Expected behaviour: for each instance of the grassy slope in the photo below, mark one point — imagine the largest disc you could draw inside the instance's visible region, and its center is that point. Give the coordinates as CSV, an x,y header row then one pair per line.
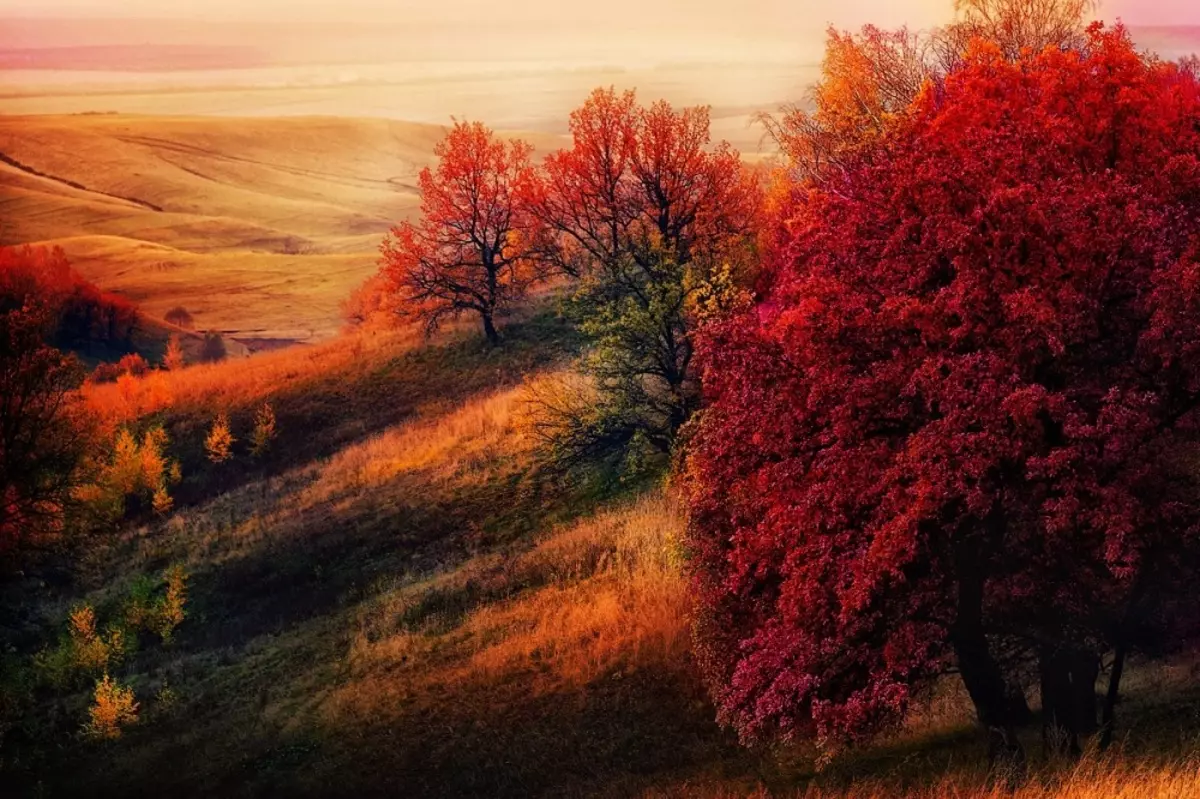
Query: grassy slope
x,y
259,227
397,602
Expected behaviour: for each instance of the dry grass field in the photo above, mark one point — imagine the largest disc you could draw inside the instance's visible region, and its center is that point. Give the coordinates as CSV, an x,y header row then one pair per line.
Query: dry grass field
x,y
257,227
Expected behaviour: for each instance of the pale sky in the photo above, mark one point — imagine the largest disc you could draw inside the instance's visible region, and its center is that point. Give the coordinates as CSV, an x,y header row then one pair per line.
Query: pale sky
x,y
916,13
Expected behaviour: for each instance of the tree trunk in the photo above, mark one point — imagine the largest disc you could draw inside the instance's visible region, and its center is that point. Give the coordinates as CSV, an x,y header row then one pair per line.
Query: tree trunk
x,y
489,329
993,700
1111,696
991,694
1068,687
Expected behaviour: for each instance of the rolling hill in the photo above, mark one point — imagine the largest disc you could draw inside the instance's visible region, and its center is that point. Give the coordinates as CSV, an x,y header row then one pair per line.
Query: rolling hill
x,y
258,227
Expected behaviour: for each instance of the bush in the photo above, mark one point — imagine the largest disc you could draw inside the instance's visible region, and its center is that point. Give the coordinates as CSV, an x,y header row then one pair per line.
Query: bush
x,y
113,708
219,444
214,347
264,430
134,470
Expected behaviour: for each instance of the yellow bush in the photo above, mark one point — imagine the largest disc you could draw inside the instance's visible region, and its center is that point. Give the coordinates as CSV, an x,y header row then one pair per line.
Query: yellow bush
x,y
132,469
169,612
89,651
173,359
162,501
219,444
264,430
113,707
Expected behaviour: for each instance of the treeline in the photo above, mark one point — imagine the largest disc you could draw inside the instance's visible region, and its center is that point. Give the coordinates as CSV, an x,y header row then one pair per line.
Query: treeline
x,y
78,316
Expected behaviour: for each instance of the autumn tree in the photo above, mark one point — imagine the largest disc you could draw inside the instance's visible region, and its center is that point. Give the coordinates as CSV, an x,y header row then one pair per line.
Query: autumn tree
x,y
475,248
1014,26
180,317
173,358
869,79
264,431
961,432
651,218
218,444
42,429
213,349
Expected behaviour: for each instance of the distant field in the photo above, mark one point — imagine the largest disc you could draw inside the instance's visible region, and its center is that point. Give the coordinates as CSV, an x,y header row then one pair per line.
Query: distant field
x,y
517,95
258,227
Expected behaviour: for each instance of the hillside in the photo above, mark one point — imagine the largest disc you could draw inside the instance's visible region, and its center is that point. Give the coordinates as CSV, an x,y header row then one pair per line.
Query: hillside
x,y
258,227
397,600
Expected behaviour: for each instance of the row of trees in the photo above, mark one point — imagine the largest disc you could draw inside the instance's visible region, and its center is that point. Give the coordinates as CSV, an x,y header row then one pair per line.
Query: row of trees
x,y
75,314
959,433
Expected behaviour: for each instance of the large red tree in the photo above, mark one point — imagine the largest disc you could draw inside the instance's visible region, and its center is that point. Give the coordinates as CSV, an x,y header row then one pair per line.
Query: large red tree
x,y
962,428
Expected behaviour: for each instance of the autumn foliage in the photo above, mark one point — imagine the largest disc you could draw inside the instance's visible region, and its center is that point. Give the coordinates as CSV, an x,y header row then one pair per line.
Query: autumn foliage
x,y
657,222
474,249
43,430
961,432
80,315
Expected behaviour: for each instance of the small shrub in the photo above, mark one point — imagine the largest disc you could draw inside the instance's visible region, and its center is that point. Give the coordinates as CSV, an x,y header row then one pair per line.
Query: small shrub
x,y
82,650
168,611
160,614
113,708
264,430
219,444
133,365
214,348
132,470
173,360
90,651
166,701
161,501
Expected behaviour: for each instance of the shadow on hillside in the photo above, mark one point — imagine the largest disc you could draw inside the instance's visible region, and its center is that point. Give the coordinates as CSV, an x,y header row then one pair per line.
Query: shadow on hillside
x,y
613,737
337,558
317,417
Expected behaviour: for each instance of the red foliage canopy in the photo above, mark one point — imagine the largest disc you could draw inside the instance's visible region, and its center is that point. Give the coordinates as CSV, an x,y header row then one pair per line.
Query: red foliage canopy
x,y
967,412
79,313
639,181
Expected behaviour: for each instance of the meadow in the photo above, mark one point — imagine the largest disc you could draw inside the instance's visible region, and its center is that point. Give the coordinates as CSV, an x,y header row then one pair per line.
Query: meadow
x,y
398,599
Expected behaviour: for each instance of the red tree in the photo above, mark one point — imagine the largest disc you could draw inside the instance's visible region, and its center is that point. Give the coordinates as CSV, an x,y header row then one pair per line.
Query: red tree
x,y
639,181
962,429
80,314
475,246
657,222
42,435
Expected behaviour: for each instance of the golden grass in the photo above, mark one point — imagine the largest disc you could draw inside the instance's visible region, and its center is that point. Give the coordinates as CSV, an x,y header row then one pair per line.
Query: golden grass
x,y
1117,777
241,383
245,294
605,597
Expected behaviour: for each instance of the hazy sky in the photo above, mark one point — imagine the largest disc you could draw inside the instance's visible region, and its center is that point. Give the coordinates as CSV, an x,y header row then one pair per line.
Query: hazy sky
x,y
688,12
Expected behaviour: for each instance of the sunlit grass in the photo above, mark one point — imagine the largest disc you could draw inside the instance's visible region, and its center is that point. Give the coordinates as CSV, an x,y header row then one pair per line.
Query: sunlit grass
x,y
243,382
1093,778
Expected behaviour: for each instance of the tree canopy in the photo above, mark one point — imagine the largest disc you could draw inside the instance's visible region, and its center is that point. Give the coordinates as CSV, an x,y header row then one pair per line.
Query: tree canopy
x,y
961,431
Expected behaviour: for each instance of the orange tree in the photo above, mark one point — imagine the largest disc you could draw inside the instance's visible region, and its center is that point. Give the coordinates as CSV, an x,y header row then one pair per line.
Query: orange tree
x,y
475,247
